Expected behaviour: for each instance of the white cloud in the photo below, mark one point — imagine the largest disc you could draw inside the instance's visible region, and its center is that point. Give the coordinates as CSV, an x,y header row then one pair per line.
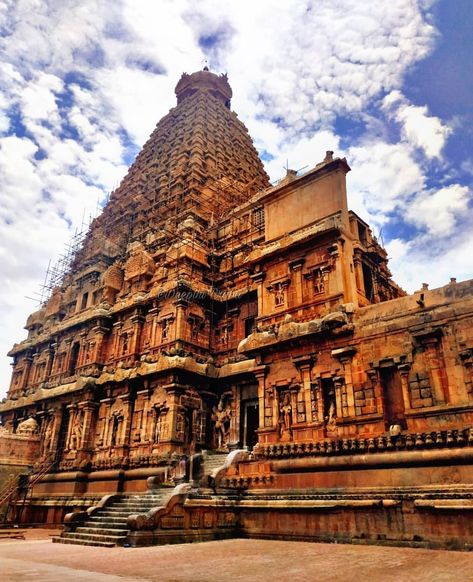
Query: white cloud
x,y
383,178
438,210
419,129
419,261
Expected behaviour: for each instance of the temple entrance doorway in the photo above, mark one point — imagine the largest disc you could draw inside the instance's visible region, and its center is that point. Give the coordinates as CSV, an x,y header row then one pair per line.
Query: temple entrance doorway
x,y
62,437
250,422
393,399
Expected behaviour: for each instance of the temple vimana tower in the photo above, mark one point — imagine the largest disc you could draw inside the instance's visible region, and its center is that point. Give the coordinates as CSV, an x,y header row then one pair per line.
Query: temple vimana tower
x,y
229,357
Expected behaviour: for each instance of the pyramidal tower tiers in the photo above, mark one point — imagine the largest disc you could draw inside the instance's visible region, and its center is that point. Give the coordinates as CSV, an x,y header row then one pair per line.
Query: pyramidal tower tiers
x,y
199,161
210,311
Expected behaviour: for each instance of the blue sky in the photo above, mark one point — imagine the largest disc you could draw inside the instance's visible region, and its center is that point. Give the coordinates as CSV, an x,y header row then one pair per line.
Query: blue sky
x,y
386,83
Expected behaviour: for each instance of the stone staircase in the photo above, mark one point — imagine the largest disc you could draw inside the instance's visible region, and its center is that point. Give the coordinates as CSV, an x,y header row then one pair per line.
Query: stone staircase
x,y
107,527
212,462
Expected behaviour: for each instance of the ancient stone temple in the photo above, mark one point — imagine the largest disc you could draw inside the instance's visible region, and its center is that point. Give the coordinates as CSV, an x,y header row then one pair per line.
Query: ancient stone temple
x,y
247,338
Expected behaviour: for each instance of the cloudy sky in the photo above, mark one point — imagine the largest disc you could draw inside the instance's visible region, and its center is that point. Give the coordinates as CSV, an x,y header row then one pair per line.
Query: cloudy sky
x,y
386,83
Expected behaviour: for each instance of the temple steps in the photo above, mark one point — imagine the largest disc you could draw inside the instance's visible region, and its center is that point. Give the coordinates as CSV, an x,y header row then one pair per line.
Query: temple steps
x,y
109,531
213,461
95,537
103,526
107,526
61,540
105,519
131,507
117,513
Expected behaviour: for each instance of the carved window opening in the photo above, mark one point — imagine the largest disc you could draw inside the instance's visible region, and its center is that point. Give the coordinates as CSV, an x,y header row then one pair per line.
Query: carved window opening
x,y
257,218
74,357
362,234
394,411
249,325
368,281
85,299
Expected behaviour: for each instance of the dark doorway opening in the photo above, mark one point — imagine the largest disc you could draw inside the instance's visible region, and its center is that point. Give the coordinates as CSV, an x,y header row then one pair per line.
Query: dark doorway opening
x,y
74,357
63,429
394,411
368,281
250,423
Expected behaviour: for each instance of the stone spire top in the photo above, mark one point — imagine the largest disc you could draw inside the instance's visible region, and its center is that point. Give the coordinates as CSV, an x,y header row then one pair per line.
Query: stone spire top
x,y
216,85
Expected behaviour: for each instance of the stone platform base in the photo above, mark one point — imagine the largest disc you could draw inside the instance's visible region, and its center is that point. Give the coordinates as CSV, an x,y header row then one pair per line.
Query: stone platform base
x,y
416,517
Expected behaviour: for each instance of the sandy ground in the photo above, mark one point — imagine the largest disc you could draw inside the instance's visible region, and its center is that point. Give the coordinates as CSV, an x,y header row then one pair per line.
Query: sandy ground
x,y
38,559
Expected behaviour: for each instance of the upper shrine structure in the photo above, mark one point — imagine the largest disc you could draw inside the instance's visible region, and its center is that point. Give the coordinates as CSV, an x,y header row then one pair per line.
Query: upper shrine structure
x,y
208,310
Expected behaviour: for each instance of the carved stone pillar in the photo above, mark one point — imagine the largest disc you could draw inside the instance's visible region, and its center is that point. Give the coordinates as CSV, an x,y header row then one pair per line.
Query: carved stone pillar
x,y
357,264
88,409
144,395
50,360
296,268
181,319
34,367
83,349
350,396
153,314
72,412
336,278
374,379
265,413
338,384
258,278
234,435
174,392
124,437
404,375
137,319
117,326
304,366
100,331
68,348
26,373
106,421
319,398
347,400
429,340
56,414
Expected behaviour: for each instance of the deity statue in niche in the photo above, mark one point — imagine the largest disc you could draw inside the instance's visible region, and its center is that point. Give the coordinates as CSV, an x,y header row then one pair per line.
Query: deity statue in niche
x,y
116,420
76,431
285,416
331,413
221,417
47,436
156,426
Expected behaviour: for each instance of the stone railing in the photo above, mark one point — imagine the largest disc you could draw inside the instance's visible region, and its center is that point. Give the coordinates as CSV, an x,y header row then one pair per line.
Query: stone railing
x,y
424,440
